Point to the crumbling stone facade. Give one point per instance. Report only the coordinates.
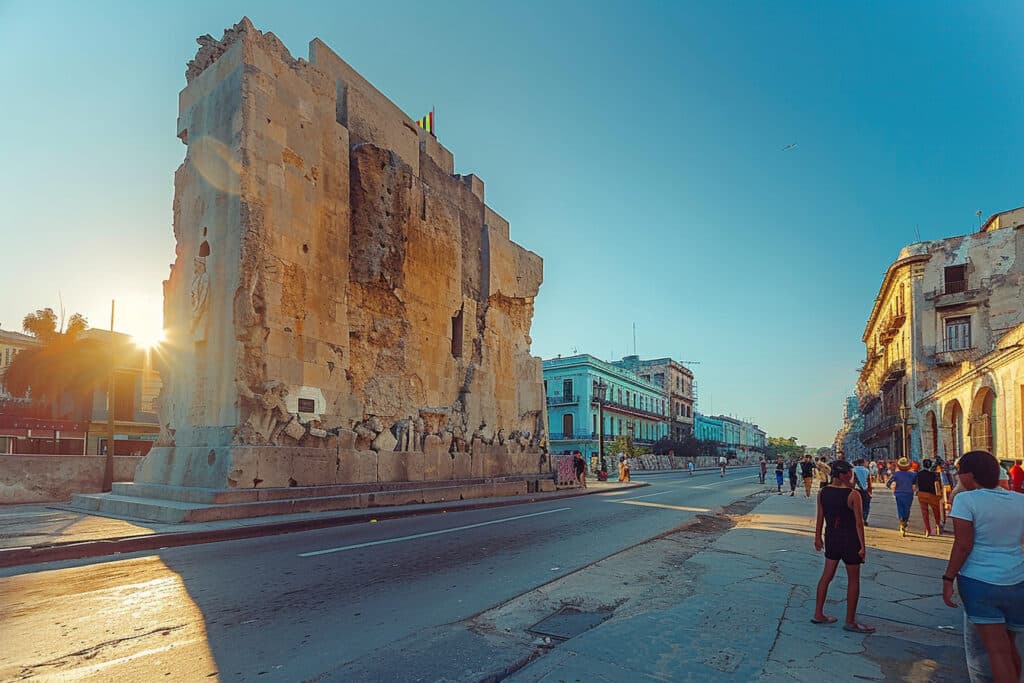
(342, 308)
(938, 331)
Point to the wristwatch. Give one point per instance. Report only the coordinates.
(948, 578)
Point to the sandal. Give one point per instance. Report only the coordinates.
(826, 620)
(858, 628)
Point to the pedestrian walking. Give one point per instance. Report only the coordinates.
(873, 471)
(721, 465)
(824, 473)
(839, 511)
(580, 467)
(862, 477)
(780, 468)
(807, 473)
(928, 491)
(792, 477)
(764, 470)
(690, 467)
(904, 481)
(623, 468)
(987, 561)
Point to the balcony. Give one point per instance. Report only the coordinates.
(867, 402)
(571, 436)
(954, 352)
(567, 400)
(894, 372)
(879, 434)
(959, 293)
(617, 407)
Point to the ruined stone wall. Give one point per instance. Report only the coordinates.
(341, 304)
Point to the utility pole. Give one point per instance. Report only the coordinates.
(108, 465)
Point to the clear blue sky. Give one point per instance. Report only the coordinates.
(636, 146)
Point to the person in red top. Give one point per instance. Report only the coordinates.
(1017, 477)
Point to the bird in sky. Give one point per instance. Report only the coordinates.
(789, 147)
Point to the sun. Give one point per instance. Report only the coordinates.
(148, 340)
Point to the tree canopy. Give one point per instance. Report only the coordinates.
(61, 373)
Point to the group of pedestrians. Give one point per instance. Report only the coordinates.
(986, 562)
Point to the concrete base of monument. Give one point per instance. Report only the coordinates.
(182, 504)
(255, 467)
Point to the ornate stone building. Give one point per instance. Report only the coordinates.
(941, 374)
(342, 307)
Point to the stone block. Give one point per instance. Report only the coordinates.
(356, 467)
(399, 466)
(462, 466)
(385, 442)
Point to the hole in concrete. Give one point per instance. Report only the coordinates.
(292, 482)
(305, 248)
(204, 248)
(569, 622)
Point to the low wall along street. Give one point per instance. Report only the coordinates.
(53, 478)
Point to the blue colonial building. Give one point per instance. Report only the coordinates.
(631, 405)
(708, 428)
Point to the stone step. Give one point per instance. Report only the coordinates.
(194, 494)
(177, 511)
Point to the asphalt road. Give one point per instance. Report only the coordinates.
(298, 606)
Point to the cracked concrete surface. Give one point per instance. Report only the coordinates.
(739, 610)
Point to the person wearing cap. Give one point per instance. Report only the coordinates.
(905, 482)
(986, 561)
(840, 512)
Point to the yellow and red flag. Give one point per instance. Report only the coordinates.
(427, 123)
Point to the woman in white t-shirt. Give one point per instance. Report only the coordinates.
(987, 561)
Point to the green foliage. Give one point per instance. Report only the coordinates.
(783, 447)
(61, 373)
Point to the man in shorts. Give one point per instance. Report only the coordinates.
(807, 474)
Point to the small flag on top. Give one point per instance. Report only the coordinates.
(427, 123)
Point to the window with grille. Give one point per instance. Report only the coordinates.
(956, 279)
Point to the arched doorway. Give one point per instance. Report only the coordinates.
(983, 421)
(953, 429)
(931, 446)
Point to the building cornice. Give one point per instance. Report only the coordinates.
(883, 291)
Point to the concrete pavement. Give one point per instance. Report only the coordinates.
(739, 610)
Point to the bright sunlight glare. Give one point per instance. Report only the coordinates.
(148, 340)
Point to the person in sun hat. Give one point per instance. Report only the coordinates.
(840, 512)
(905, 483)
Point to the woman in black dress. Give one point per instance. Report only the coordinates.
(840, 512)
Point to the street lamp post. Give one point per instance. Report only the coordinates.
(903, 429)
(600, 388)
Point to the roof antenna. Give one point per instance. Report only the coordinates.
(917, 231)
(978, 214)
(634, 339)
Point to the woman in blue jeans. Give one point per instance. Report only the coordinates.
(987, 562)
(905, 481)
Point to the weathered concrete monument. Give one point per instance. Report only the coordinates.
(343, 308)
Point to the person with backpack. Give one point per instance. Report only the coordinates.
(792, 477)
(928, 491)
(862, 481)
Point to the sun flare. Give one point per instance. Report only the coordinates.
(149, 340)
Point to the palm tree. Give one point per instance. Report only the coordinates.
(61, 373)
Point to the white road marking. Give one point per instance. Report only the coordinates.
(646, 495)
(649, 504)
(723, 481)
(399, 539)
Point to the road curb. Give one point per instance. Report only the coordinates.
(77, 550)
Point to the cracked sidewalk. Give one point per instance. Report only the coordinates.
(745, 612)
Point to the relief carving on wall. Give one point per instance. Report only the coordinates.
(200, 298)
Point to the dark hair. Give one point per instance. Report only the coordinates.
(926, 463)
(983, 466)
